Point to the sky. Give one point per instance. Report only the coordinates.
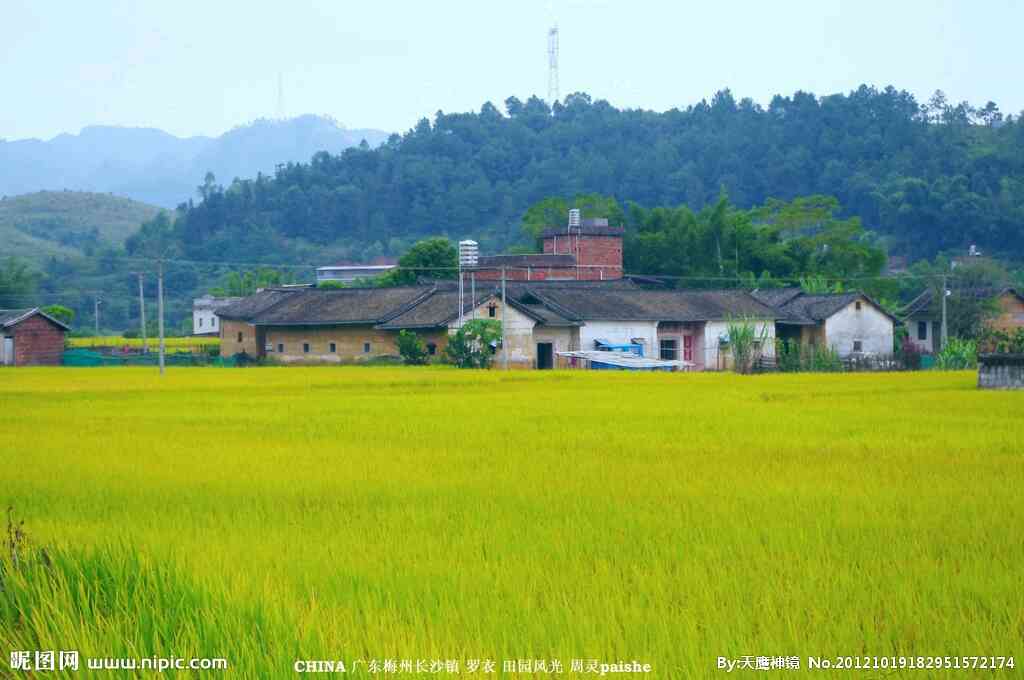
(200, 67)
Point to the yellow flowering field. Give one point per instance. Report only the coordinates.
(187, 342)
(393, 517)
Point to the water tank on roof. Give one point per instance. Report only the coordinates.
(469, 253)
(574, 218)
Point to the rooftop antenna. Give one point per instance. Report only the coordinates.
(553, 95)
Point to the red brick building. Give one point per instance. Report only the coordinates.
(30, 337)
(591, 251)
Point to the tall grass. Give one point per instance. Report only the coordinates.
(277, 514)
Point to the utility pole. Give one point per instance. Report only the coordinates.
(472, 291)
(96, 313)
(504, 309)
(142, 316)
(945, 330)
(160, 309)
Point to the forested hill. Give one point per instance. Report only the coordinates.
(926, 177)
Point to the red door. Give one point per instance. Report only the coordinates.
(687, 348)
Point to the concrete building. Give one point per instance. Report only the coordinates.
(30, 337)
(851, 324)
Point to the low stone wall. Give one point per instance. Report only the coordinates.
(1001, 371)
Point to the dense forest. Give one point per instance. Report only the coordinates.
(924, 178)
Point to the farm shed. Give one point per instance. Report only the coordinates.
(30, 337)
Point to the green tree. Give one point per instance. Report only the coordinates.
(474, 344)
(60, 313)
(430, 258)
(412, 349)
(18, 284)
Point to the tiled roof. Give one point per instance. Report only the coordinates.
(775, 297)
(12, 317)
(342, 306)
(550, 303)
(653, 305)
(248, 307)
(796, 307)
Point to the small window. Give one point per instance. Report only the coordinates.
(857, 305)
(305, 347)
(922, 330)
(200, 322)
(492, 311)
(669, 349)
(240, 336)
(280, 347)
(858, 346)
(334, 348)
(366, 348)
(431, 349)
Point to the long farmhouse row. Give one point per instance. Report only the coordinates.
(543, 319)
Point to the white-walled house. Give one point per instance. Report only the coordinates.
(204, 313)
(851, 324)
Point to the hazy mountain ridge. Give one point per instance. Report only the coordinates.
(153, 166)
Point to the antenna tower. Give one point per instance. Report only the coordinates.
(553, 95)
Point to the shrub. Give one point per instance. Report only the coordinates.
(745, 343)
(957, 354)
(474, 345)
(412, 349)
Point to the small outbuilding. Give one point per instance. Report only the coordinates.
(30, 337)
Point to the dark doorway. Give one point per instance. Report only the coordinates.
(545, 356)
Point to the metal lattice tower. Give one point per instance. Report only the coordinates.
(553, 95)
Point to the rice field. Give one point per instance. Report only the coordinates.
(401, 516)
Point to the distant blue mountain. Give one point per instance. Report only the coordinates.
(155, 167)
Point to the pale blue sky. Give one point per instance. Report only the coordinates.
(201, 67)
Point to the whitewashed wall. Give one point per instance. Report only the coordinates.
(868, 324)
(518, 331)
(621, 333)
(714, 330)
(204, 322)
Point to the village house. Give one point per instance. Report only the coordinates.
(923, 314)
(30, 337)
(204, 317)
(542, 321)
(850, 324)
